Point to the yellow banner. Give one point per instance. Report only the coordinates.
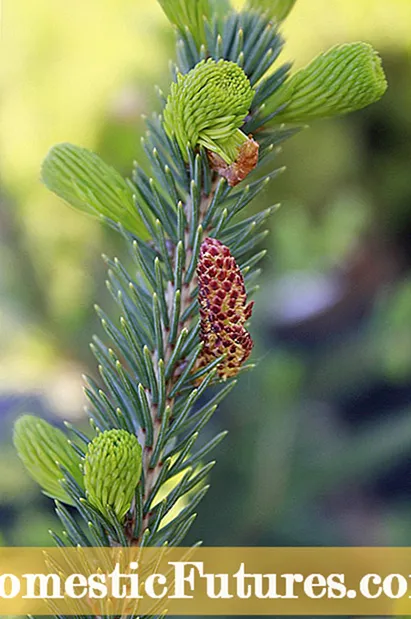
(205, 581)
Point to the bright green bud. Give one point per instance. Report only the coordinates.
(207, 107)
(343, 79)
(87, 183)
(112, 470)
(192, 14)
(188, 14)
(277, 9)
(43, 449)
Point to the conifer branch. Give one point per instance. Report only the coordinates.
(152, 470)
(183, 305)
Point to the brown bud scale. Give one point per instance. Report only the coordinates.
(244, 164)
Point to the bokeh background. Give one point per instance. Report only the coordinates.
(319, 451)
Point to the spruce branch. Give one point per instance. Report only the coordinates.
(181, 336)
(181, 291)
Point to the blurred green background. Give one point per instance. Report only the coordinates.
(319, 450)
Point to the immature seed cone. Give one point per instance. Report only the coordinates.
(42, 448)
(223, 309)
(112, 470)
(207, 107)
(343, 79)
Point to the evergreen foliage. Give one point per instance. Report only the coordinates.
(154, 389)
